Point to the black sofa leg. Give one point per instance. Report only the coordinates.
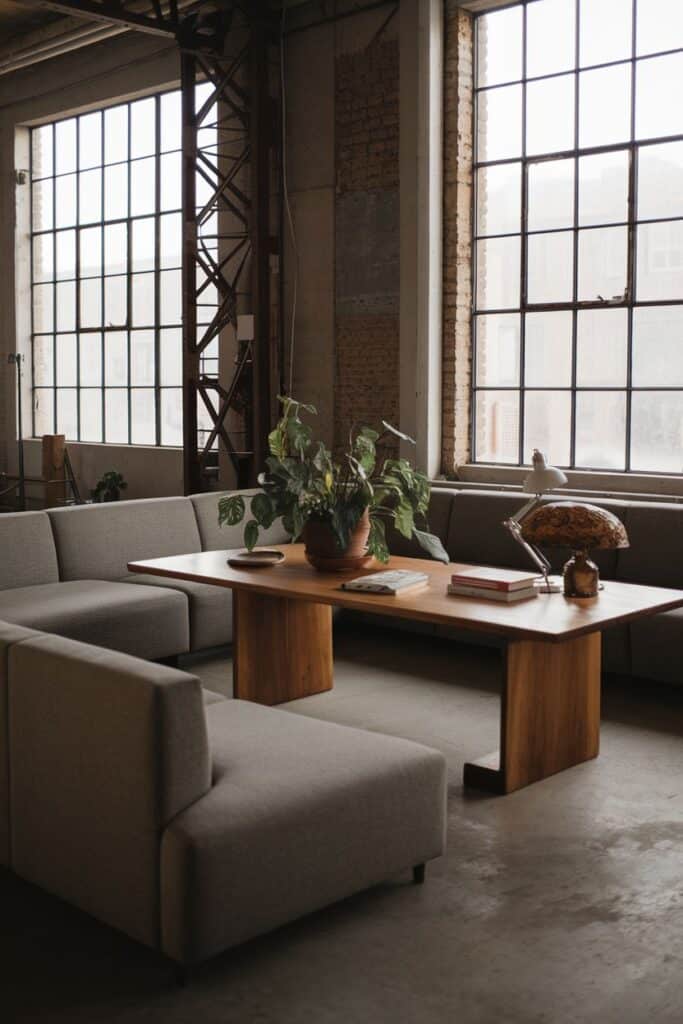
(181, 975)
(419, 874)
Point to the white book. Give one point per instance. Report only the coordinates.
(505, 596)
(391, 581)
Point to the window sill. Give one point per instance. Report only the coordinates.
(631, 485)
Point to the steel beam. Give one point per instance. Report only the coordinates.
(112, 13)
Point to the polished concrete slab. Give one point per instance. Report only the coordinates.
(560, 903)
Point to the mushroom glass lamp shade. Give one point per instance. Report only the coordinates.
(582, 528)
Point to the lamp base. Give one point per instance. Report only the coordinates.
(551, 585)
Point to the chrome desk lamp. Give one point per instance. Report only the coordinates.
(541, 479)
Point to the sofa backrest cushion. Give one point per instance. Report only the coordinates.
(439, 518)
(105, 750)
(223, 538)
(27, 550)
(655, 555)
(96, 542)
(9, 635)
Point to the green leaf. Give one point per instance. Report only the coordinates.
(404, 518)
(277, 442)
(397, 433)
(231, 510)
(377, 541)
(298, 522)
(250, 534)
(262, 510)
(432, 545)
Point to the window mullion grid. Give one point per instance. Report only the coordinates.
(77, 234)
(474, 213)
(632, 243)
(129, 278)
(523, 256)
(575, 250)
(157, 277)
(54, 281)
(102, 287)
(32, 282)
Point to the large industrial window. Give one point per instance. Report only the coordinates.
(578, 322)
(106, 238)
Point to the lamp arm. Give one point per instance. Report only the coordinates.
(514, 526)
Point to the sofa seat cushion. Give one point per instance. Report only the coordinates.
(301, 813)
(211, 697)
(657, 647)
(210, 608)
(146, 621)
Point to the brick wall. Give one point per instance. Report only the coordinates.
(458, 183)
(367, 237)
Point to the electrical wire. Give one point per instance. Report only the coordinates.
(285, 193)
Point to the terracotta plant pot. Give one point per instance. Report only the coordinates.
(323, 553)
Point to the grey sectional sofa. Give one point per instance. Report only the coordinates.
(188, 821)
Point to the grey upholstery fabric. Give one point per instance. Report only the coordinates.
(301, 813)
(210, 697)
(616, 649)
(105, 751)
(439, 518)
(9, 635)
(150, 622)
(27, 550)
(96, 542)
(223, 538)
(657, 647)
(655, 556)
(210, 608)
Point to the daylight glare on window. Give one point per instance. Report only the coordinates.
(578, 326)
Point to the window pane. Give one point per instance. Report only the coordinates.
(660, 261)
(551, 33)
(142, 187)
(143, 244)
(116, 192)
(116, 359)
(497, 430)
(65, 201)
(498, 350)
(67, 413)
(658, 346)
(91, 302)
(659, 26)
(605, 106)
(41, 152)
(170, 240)
(499, 46)
(601, 348)
(551, 267)
(170, 121)
(657, 82)
(602, 263)
(43, 258)
(91, 414)
(90, 355)
(65, 146)
(547, 425)
(65, 255)
(90, 140)
(548, 350)
(606, 29)
(660, 181)
(143, 418)
(67, 361)
(116, 417)
(91, 252)
(657, 431)
(601, 429)
(43, 206)
(603, 188)
(170, 187)
(551, 195)
(550, 115)
(90, 197)
(142, 127)
(171, 297)
(142, 358)
(499, 199)
(66, 306)
(499, 115)
(115, 249)
(115, 302)
(498, 273)
(143, 300)
(171, 370)
(116, 134)
(43, 308)
(43, 360)
(172, 416)
(43, 411)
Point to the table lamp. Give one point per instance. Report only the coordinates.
(582, 528)
(541, 479)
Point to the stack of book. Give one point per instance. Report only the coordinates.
(494, 584)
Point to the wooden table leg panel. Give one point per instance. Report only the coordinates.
(282, 648)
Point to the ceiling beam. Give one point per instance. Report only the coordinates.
(112, 13)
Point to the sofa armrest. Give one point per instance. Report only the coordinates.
(105, 750)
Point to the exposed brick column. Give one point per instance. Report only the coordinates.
(457, 226)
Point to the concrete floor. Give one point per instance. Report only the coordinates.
(561, 903)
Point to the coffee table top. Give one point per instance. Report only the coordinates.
(548, 617)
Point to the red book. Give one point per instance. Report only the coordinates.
(494, 579)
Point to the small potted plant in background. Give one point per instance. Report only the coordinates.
(108, 487)
(339, 509)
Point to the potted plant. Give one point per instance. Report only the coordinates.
(340, 509)
(109, 487)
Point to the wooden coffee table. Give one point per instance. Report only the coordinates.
(550, 708)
